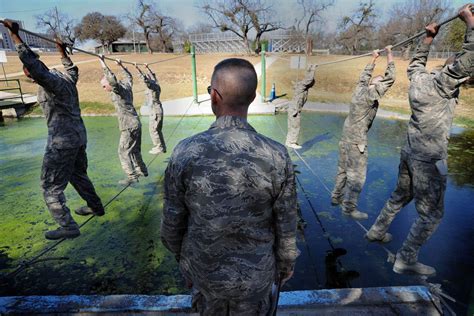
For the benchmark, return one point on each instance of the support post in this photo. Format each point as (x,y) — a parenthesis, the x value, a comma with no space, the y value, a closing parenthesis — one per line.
(193,62)
(263,89)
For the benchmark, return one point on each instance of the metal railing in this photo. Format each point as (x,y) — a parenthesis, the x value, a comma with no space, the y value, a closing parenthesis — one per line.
(8,88)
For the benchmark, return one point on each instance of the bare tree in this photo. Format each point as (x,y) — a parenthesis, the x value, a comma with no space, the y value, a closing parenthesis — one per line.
(260,14)
(410,17)
(240,17)
(165,28)
(312,10)
(102,28)
(358,28)
(142,19)
(57,24)
(229,16)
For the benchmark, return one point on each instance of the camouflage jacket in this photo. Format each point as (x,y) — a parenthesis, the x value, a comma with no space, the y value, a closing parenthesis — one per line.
(122,98)
(364,104)
(301,92)
(433,97)
(230,210)
(152,94)
(58,97)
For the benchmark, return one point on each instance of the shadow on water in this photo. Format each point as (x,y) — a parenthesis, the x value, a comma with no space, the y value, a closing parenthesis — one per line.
(306,146)
(461,158)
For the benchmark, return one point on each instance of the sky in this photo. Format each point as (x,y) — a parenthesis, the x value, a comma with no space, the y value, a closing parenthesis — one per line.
(185,10)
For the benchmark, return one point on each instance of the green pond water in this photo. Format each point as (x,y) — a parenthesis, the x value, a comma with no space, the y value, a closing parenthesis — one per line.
(121,252)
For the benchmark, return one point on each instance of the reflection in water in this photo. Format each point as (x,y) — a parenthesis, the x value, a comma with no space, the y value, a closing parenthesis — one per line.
(335,278)
(461,156)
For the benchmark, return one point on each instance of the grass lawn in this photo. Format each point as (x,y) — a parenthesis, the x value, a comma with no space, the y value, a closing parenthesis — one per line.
(334,83)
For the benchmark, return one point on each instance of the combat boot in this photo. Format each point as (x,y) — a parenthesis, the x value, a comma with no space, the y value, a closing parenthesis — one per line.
(86,210)
(355,214)
(156,150)
(63,232)
(373,237)
(128,181)
(336,200)
(293,145)
(401,267)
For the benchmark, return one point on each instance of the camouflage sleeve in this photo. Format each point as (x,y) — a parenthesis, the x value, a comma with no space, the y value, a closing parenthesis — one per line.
(365,75)
(38,71)
(452,76)
(308,80)
(146,80)
(376,92)
(112,79)
(70,68)
(284,212)
(154,76)
(174,221)
(127,77)
(418,62)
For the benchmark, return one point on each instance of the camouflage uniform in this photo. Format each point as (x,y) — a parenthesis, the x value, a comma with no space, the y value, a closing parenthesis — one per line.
(129,124)
(296,105)
(156,113)
(65,158)
(230,215)
(423,165)
(352,165)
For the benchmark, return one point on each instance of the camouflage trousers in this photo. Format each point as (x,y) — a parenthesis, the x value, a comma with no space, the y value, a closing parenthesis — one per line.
(351,174)
(130,153)
(222,307)
(60,167)
(425,182)
(294,120)
(155,127)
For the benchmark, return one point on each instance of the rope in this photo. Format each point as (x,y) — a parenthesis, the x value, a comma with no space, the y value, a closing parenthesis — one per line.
(399,44)
(94,54)
(23,265)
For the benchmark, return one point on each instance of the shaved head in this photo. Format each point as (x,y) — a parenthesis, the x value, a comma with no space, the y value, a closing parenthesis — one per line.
(236,81)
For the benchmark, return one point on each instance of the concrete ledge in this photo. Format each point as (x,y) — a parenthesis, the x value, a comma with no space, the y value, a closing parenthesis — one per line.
(409,300)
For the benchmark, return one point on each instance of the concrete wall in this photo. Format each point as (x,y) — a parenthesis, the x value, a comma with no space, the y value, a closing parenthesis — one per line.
(411,300)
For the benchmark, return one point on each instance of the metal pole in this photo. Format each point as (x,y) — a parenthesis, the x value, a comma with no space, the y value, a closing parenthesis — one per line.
(4,74)
(264,74)
(193,64)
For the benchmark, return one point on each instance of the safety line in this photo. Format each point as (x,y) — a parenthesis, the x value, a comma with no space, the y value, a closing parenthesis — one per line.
(22,266)
(93,54)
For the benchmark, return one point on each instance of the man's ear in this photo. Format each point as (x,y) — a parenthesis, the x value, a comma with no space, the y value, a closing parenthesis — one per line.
(214,96)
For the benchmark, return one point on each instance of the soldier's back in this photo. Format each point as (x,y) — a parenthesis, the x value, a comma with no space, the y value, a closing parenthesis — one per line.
(232,176)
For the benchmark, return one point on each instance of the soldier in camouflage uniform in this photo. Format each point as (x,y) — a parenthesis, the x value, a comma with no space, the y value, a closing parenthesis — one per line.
(230,204)
(156,114)
(129,123)
(352,166)
(65,158)
(296,105)
(423,166)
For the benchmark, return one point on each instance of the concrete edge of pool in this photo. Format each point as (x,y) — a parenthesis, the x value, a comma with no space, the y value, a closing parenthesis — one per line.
(403,300)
